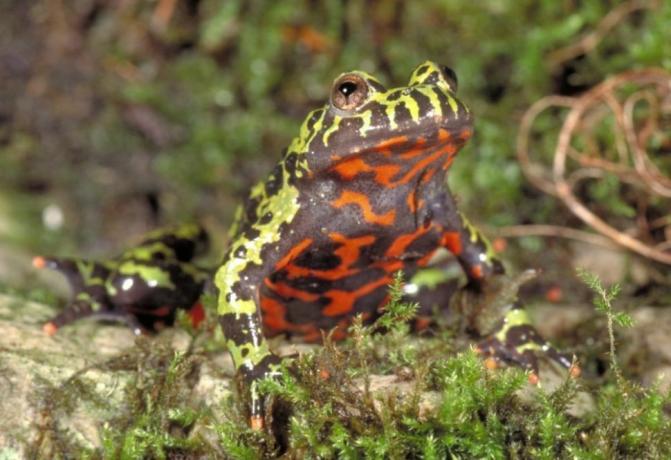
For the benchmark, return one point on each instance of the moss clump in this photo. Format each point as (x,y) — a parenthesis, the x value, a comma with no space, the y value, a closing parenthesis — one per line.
(472,412)
(159,418)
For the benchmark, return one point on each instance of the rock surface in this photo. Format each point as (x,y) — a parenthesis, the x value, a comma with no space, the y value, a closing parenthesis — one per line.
(33,366)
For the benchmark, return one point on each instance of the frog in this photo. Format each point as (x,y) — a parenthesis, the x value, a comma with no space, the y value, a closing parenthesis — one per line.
(359,194)
(143,287)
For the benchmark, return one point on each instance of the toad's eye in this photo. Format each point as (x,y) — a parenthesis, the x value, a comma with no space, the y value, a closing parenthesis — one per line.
(451,78)
(349,92)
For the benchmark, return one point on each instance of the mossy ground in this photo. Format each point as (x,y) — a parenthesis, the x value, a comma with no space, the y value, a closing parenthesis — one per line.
(384,393)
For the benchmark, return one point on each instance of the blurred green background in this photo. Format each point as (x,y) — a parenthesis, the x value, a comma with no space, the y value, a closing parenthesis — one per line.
(117,116)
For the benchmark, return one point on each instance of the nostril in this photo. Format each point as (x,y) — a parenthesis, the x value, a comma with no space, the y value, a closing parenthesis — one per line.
(451,77)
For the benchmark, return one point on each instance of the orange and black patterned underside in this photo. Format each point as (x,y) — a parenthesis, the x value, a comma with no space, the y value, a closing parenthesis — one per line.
(331,281)
(368,216)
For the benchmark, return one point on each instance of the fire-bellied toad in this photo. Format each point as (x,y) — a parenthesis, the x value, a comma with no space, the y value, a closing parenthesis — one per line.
(359,194)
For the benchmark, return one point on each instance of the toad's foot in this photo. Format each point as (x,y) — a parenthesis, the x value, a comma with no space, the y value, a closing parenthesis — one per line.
(519,344)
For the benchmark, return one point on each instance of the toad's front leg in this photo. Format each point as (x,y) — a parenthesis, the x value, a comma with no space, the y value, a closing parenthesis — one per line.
(240,319)
(513,339)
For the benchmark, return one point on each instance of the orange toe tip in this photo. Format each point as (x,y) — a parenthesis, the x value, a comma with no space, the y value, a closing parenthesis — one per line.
(324,374)
(491,364)
(39,262)
(256,423)
(49,328)
(533,378)
(575,371)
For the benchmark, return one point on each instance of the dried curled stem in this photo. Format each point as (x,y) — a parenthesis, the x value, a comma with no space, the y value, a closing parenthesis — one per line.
(635,108)
(590,40)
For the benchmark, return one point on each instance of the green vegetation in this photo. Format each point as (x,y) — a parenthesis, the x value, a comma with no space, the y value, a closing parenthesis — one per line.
(438,405)
(182,110)
(160,417)
(603,302)
(474,412)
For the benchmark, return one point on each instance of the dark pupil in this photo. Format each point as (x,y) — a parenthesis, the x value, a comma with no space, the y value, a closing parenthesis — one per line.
(347,88)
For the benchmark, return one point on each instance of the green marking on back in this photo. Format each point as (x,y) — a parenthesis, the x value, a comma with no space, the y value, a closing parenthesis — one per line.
(153,276)
(281,206)
(184,231)
(333,128)
(85,269)
(148,252)
(300,144)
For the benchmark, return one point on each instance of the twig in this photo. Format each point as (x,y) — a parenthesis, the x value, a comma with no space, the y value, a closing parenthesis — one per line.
(592,39)
(554,231)
(570,165)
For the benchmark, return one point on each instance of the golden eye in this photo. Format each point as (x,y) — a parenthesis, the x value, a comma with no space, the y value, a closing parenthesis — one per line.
(349,92)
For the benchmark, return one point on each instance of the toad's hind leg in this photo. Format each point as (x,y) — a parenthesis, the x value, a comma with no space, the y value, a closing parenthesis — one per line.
(514,340)
(87,282)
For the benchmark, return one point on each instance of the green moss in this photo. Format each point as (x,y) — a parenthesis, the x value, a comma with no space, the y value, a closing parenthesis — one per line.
(159,417)
(476,413)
